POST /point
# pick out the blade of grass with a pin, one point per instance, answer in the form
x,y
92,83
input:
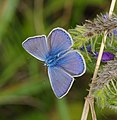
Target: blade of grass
x,y
63,109
9,8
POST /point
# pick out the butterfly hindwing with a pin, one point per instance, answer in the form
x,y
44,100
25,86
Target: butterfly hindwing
x,y
59,40
73,63
36,46
61,82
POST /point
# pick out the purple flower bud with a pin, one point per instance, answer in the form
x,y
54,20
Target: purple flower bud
x,y
88,47
105,17
115,32
106,56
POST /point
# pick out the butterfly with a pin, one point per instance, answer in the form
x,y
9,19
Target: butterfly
x,y
62,61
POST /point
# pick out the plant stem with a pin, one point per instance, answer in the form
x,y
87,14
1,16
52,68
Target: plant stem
x,y
85,110
99,57
89,101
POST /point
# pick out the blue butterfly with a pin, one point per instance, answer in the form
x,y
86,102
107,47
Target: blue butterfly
x,y
63,63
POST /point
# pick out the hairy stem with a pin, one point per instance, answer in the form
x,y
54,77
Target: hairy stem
x,y
89,102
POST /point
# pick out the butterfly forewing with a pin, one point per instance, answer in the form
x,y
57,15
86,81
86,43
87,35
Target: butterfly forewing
x,y
59,40
36,46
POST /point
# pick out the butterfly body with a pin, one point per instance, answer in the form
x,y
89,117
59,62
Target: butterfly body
x,y
63,63
51,60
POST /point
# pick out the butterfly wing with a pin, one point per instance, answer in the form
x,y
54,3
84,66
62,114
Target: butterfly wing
x,y
36,46
59,40
73,63
61,82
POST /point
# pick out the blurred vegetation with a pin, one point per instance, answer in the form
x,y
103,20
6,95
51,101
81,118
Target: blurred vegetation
x,y
25,92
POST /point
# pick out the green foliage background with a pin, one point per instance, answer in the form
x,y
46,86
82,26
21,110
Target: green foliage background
x,y
25,92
